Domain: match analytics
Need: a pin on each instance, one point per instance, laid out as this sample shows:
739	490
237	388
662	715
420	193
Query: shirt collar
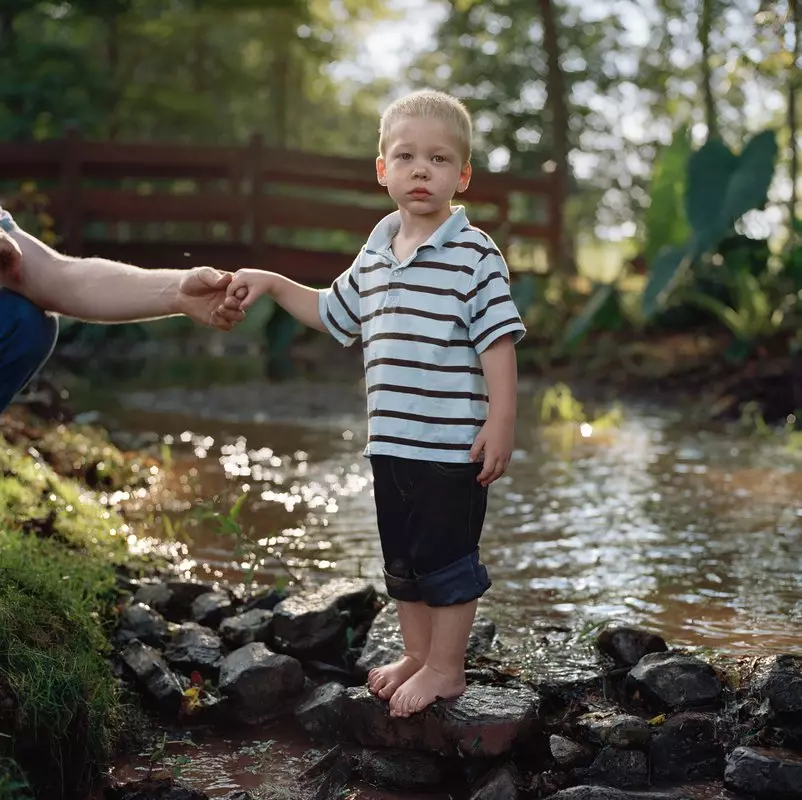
382	235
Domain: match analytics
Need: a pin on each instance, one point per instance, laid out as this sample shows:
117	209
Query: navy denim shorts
430	518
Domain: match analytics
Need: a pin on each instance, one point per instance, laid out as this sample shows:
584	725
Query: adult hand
201	295
10	257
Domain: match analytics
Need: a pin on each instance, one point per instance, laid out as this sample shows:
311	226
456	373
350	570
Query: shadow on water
695	534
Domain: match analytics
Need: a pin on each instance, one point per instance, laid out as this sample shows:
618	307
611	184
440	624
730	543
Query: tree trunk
705	24
557	105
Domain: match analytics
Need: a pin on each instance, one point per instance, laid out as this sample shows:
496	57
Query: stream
695	534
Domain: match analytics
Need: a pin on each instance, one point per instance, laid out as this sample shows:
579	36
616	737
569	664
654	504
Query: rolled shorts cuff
460	582
405	589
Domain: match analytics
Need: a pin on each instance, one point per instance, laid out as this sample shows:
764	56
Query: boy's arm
98	290
497	436
302	302
334	310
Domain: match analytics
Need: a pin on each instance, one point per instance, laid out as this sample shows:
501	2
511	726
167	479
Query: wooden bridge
302	214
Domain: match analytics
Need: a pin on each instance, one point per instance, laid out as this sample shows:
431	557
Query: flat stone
385	645
485	721
255	625
400	769
686	748
139	621
619	768
610	793
623	731
261	684
317	620
568	753
627	646
321	714
195	648
674	680
498	785
153	675
771	773
211	608
779	681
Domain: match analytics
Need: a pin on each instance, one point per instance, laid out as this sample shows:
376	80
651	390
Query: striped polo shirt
423	323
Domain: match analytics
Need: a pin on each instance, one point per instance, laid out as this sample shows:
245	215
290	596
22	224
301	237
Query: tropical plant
718	189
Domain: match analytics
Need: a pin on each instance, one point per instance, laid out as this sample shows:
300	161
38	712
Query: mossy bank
61	709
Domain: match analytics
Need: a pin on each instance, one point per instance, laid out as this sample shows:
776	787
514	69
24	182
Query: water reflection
695	534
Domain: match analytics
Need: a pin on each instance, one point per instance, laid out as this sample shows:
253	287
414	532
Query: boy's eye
405	156
439	159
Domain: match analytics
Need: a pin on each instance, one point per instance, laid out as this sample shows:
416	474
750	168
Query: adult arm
99	290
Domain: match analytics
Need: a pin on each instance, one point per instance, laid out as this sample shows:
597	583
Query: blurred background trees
645	108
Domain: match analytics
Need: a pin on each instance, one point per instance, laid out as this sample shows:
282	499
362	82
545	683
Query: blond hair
431	105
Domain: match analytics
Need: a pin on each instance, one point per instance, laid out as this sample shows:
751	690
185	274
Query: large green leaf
748	187
666	223
667	270
581	324
722	187
710	170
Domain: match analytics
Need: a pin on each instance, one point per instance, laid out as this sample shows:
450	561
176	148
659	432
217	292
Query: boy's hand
496	440
247	287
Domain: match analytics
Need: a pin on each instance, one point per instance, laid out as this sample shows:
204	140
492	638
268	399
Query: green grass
57	594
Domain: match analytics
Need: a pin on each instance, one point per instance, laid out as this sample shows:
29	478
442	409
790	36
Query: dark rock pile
652	723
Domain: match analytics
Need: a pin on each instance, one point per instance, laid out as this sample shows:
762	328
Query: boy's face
422	167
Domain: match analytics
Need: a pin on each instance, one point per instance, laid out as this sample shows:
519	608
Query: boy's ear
381	171
464	177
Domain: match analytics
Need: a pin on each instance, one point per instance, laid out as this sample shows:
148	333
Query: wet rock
400	769
325	779
385	645
317	620
238	795
685	748
568	753
619	768
266	598
182	595
610	793
775	774
627	646
173	599
195	648
165	789
485	721
779	681
673	680
499	785
211	608
261	684
139	621
156	595
153	675
320	715
623	731
255	625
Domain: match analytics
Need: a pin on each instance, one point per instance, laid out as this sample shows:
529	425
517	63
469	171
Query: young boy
429	296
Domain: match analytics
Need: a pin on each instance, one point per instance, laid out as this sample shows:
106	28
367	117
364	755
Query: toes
386	691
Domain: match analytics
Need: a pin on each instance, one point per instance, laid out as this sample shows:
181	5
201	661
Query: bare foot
422	689
383	681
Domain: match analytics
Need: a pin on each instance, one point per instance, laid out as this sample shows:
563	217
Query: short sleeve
7	221
490	304
339	306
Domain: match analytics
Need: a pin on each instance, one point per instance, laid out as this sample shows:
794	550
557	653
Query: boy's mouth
420	193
